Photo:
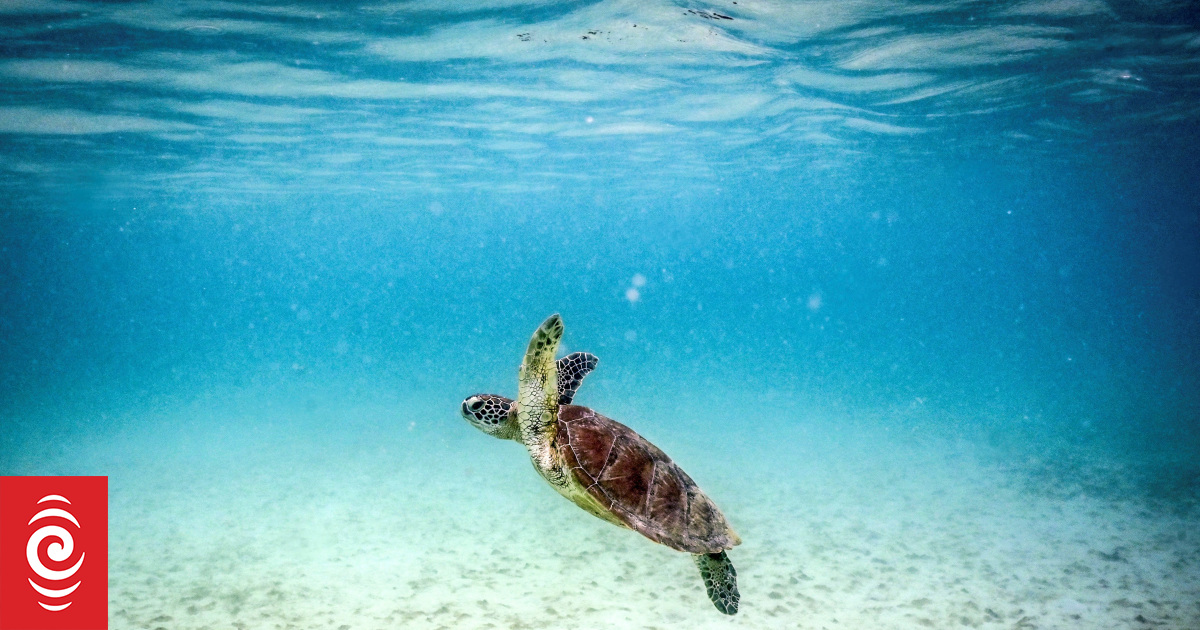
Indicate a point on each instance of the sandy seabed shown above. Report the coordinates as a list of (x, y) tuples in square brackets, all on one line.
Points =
[(348, 523)]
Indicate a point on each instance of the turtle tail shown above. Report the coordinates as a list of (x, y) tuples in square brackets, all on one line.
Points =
[(720, 579)]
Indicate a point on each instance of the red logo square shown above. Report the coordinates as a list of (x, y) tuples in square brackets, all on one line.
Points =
[(53, 553)]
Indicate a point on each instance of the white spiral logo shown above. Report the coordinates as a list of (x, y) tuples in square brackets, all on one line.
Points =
[(59, 551)]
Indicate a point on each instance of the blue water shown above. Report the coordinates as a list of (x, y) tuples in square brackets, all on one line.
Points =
[(975, 221)]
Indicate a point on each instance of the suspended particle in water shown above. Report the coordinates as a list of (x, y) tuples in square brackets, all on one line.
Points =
[(638, 280), (630, 335), (633, 295), (814, 302)]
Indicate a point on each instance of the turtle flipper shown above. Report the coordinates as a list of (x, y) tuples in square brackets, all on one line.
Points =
[(571, 370), (720, 580), (537, 400)]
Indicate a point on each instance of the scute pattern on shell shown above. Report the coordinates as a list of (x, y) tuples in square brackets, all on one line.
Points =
[(639, 483)]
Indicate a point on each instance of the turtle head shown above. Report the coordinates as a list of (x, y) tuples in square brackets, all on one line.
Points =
[(491, 414)]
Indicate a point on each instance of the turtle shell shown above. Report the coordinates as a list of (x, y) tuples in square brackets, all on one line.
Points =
[(639, 484)]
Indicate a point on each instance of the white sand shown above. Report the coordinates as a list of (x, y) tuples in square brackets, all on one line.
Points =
[(219, 525)]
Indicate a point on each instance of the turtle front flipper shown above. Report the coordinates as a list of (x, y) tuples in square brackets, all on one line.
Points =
[(571, 370), (537, 399), (720, 580)]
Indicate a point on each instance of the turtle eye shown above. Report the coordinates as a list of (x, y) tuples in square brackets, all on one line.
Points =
[(477, 405)]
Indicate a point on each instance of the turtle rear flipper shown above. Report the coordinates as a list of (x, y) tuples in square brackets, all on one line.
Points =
[(720, 580), (571, 370)]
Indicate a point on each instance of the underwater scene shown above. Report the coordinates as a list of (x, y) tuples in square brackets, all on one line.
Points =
[(889, 311)]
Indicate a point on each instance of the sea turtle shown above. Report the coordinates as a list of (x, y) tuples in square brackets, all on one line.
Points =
[(605, 467)]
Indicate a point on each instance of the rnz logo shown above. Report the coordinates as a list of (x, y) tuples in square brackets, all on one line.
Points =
[(61, 550), (53, 553)]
